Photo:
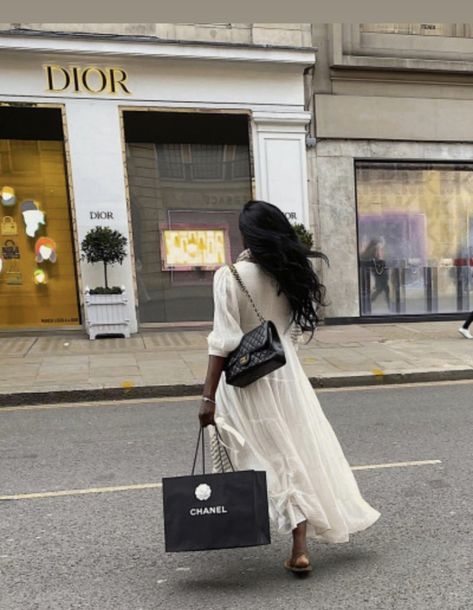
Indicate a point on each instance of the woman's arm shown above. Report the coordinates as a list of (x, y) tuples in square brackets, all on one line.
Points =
[(214, 372)]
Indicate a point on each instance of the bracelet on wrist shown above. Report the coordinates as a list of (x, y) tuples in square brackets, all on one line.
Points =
[(207, 399)]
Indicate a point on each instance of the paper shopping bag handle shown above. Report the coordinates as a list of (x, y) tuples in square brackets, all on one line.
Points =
[(200, 439), (220, 445)]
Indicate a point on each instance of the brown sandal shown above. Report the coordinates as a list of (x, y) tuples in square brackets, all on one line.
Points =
[(300, 565)]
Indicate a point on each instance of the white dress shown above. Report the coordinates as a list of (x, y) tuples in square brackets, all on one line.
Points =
[(279, 416)]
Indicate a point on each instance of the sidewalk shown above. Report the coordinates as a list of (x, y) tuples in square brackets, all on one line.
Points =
[(55, 368)]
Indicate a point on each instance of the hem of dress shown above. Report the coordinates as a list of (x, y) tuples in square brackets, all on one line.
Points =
[(286, 520), (325, 538)]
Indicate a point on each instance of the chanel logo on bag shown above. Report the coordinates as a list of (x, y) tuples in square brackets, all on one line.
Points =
[(203, 492), (208, 510), (244, 359)]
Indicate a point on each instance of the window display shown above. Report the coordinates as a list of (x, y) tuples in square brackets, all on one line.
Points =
[(186, 249), (8, 226), (33, 217), (7, 195), (45, 249), (189, 177), (415, 227), (37, 286), (40, 276)]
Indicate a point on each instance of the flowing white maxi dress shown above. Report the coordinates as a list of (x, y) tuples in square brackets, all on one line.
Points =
[(284, 429)]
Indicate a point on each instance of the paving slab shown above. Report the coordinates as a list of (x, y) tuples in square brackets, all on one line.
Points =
[(64, 367)]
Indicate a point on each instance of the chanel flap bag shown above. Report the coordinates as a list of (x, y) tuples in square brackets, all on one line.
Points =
[(260, 350)]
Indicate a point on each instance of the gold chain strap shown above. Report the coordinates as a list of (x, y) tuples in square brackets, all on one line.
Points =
[(245, 291)]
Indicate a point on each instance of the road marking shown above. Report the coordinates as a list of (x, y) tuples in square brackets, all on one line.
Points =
[(98, 490), (397, 465), (378, 372), (129, 402), (79, 492), (394, 386)]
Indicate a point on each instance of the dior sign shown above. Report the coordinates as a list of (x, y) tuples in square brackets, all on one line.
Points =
[(88, 79)]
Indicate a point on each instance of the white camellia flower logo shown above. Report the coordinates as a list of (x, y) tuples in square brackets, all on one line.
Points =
[(203, 492)]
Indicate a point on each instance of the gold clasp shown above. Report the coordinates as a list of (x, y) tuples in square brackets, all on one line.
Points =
[(244, 359)]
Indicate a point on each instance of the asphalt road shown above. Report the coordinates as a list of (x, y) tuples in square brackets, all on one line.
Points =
[(104, 551)]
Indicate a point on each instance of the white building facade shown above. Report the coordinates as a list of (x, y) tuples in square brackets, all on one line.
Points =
[(162, 141)]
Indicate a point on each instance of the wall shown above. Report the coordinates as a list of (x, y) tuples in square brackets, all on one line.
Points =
[(372, 82), (278, 34)]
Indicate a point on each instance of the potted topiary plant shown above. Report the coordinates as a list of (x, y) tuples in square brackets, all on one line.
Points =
[(304, 235), (106, 307)]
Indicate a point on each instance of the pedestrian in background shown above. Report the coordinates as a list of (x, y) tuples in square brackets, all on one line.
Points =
[(465, 329), (373, 257), (311, 488)]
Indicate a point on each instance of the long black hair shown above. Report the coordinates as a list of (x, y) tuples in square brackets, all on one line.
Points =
[(274, 245)]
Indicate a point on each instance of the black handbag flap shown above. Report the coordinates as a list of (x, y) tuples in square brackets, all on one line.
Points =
[(254, 341)]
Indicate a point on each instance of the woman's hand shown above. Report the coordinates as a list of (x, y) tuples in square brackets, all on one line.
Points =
[(206, 413)]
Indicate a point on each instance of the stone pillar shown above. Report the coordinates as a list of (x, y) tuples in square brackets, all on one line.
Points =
[(281, 162), (98, 184)]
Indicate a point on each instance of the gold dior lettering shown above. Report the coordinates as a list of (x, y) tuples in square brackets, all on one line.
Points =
[(89, 79)]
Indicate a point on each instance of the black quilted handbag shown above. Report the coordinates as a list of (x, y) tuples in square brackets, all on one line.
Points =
[(260, 350)]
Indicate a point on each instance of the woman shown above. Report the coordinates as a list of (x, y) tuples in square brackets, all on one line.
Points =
[(311, 489), (373, 258)]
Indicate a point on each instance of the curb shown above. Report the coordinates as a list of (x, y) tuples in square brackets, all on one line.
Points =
[(164, 391)]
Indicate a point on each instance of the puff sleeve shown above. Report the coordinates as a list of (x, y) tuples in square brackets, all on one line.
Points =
[(226, 333)]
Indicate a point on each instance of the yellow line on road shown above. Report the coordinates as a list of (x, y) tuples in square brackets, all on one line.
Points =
[(129, 402), (98, 490), (80, 492), (397, 465)]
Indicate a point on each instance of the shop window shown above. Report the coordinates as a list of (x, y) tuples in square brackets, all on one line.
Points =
[(171, 162), (38, 287), (239, 163), (415, 228), (23, 157), (207, 161), (189, 176)]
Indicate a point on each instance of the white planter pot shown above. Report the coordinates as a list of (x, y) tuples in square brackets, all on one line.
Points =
[(107, 314)]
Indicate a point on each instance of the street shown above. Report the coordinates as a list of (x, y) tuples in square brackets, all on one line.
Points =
[(96, 547)]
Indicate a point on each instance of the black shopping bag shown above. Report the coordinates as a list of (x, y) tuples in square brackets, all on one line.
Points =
[(215, 511)]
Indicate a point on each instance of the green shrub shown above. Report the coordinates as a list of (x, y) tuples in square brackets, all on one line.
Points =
[(106, 246), (304, 235), (112, 290)]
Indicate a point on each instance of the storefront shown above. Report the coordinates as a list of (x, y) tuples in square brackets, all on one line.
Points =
[(163, 142), (396, 223)]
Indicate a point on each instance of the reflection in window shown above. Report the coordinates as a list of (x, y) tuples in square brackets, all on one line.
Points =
[(170, 160), (415, 226), (186, 191), (207, 161)]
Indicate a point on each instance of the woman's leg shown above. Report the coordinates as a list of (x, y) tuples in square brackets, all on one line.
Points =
[(299, 561), (468, 321), (299, 540)]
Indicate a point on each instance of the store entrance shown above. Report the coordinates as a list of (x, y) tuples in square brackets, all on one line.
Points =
[(38, 284), (189, 176)]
